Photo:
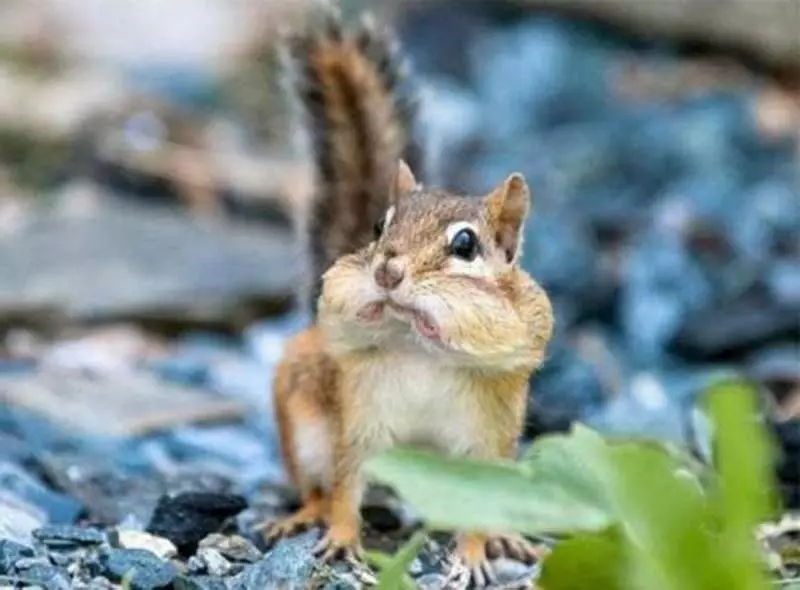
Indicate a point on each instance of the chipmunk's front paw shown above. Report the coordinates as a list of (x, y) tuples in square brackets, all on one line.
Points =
[(290, 526), (339, 544), (478, 552)]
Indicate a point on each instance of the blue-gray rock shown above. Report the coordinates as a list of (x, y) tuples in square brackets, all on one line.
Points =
[(60, 509), (68, 536), (114, 486), (665, 284), (43, 576), (289, 565), (144, 570), (26, 563), (11, 553), (199, 583)]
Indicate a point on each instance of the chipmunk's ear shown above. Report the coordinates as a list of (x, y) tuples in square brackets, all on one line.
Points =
[(507, 208), (403, 183)]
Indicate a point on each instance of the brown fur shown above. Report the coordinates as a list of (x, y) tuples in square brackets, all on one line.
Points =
[(359, 107), (441, 359)]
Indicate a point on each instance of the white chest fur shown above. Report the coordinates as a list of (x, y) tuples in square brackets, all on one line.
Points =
[(410, 398)]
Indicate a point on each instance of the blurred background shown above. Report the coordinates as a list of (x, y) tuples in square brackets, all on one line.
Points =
[(147, 181)]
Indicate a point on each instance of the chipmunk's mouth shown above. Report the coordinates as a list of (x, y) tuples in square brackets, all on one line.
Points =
[(372, 312), (423, 323)]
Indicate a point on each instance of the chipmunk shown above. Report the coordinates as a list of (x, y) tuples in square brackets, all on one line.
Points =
[(426, 329)]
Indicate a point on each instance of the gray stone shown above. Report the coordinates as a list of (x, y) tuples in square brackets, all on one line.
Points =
[(58, 507), (199, 583), (216, 565), (68, 536), (100, 583), (146, 571), (11, 553), (44, 576), (26, 563), (289, 565), (115, 264), (195, 565), (18, 518), (511, 572), (232, 547)]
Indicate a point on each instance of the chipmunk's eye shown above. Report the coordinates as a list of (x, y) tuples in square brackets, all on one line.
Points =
[(465, 245), (378, 227)]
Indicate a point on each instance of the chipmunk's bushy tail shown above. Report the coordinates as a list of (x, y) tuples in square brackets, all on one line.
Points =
[(357, 111)]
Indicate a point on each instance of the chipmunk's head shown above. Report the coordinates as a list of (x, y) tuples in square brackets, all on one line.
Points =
[(442, 267)]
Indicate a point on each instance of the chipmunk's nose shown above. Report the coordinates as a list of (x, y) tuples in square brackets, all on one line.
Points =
[(390, 273)]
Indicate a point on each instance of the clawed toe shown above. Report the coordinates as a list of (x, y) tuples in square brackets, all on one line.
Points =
[(289, 527), (516, 548), (331, 550), (479, 559), (482, 575)]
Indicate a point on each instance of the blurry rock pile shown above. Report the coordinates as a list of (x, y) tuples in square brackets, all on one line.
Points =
[(147, 270)]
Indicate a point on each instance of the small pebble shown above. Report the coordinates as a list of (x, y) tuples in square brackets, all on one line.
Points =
[(129, 539), (232, 547), (216, 565)]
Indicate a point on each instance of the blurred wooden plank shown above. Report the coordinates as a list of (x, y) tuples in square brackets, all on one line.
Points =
[(767, 30), (127, 404)]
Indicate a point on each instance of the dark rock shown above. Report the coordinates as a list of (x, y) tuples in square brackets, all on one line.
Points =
[(384, 512), (11, 553), (289, 564), (199, 583), (146, 571), (778, 369), (566, 388), (189, 517), (732, 327), (68, 536), (787, 435), (44, 576)]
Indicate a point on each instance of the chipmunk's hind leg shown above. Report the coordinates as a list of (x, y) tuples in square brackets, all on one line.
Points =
[(300, 394)]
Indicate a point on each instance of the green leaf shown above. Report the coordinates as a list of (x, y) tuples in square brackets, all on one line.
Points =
[(455, 493), (745, 486), (591, 560), (378, 559), (664, 520), (394, 574)]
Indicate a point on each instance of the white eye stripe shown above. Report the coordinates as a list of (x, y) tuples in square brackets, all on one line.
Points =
[(389, 216), (456, 227)]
